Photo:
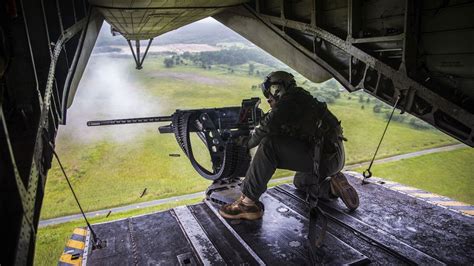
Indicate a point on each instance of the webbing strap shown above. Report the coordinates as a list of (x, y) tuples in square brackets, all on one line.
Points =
[(315, 213)]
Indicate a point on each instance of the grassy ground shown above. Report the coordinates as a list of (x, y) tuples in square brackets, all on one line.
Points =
[(363, 130), (107, 172), (446, 173)]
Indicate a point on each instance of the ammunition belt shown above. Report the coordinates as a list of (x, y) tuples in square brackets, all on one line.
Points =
[(236, 159)]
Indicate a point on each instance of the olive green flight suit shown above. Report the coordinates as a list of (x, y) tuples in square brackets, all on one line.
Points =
[(286, 140)]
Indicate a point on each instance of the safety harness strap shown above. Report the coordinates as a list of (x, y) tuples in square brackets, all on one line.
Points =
[(315, 212)]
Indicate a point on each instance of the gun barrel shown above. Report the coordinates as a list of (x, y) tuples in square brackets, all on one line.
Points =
[(152, 119)]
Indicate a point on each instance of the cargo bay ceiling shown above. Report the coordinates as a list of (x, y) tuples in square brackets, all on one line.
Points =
[(420, 53)]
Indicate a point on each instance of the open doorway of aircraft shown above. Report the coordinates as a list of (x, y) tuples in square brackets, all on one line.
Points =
[(418, 54)]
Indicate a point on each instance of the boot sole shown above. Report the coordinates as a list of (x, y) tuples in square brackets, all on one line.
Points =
[(245, 216), (345, 191)]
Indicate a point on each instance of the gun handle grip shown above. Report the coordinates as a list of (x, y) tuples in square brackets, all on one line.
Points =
[(165, 129)]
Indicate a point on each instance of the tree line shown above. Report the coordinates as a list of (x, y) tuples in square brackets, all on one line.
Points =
[(231, 57)]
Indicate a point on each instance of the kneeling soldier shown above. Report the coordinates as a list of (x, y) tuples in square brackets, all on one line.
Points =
[(299, 133)]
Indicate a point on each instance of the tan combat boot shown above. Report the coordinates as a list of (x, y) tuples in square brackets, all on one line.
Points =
[(341, 188), (242, 210)]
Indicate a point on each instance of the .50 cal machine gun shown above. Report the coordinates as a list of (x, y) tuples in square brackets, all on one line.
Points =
[(218, 128)]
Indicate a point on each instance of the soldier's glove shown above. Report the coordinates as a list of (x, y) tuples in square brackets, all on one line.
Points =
[(242, 141)]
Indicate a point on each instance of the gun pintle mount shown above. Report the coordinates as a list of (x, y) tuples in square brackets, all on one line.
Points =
[(218, 128)]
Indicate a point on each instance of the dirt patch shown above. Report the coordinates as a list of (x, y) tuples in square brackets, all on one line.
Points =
[(196, 78)]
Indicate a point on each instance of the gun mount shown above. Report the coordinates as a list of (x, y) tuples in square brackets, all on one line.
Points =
[(218, 128)]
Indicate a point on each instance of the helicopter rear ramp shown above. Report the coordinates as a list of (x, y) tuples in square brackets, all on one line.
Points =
[(389, 227)]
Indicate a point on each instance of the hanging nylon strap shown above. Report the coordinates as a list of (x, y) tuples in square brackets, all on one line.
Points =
[(367, 173), (316, 217), (316, 234)]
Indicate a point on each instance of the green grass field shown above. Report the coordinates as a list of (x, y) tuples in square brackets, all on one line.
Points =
[(448, 173), (108, 173)]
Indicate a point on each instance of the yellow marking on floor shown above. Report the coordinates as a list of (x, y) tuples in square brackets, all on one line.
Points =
[(403, 188), (80, 231), (450, 203), (425, 195), (75, 244), (468, 212), (67, 258)]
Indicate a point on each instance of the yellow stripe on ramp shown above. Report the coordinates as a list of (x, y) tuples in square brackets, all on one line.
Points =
[(425, 195), (80, 231), (451, 203), (66, 258), (468, 212), (403, 188), (75, 244)]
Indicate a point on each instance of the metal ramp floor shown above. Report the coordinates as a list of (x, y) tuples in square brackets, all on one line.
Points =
[(388, 228)]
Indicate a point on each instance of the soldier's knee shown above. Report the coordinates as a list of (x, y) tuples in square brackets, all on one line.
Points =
[(299, 184), (302, 180), (267, 142)]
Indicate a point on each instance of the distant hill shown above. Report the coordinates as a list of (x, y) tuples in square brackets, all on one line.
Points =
[(207, 31)]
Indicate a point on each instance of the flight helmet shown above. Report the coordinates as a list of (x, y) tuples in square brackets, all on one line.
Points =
[(277, 83)]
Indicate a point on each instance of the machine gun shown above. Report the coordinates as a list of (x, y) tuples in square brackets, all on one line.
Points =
[(218, 128)]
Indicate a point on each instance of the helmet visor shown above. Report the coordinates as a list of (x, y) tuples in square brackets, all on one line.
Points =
[(265, 86)]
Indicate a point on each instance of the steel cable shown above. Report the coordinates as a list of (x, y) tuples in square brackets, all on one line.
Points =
[(96, 241), (367, 173)]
